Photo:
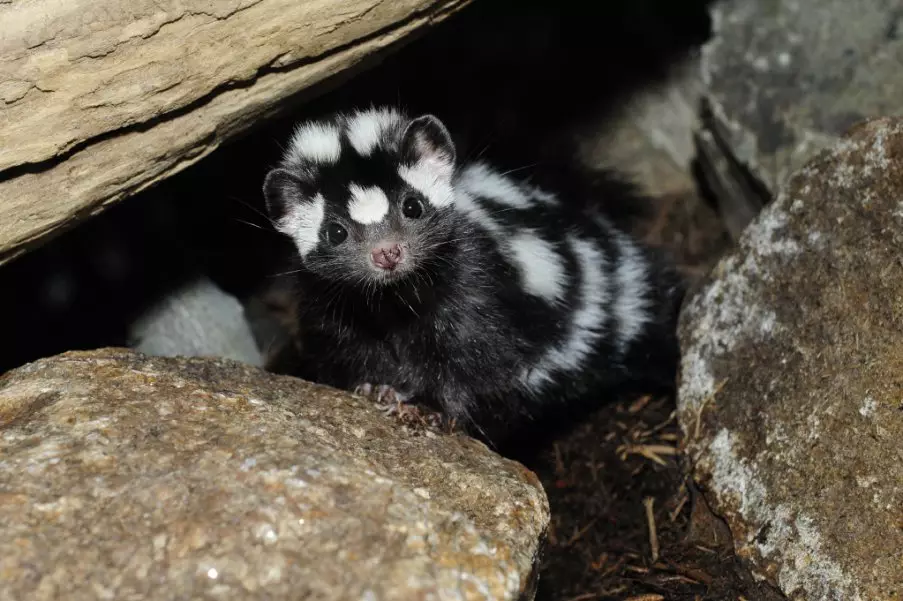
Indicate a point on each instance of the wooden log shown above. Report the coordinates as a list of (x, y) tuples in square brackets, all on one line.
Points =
[(100, 99)]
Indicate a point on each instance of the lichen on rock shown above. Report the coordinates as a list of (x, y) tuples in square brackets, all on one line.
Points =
[(790, 391)]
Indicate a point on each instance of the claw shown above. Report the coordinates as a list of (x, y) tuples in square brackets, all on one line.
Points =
[(396, 404), (381, 393), (363, 389)]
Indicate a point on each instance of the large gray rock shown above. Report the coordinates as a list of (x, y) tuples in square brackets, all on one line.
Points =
[(791, 394), (786, 77), (198, 319), (129, 477)]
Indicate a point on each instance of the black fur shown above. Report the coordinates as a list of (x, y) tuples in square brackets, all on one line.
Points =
[(458, 329)]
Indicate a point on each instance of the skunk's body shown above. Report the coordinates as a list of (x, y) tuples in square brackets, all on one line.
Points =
[(456, 284)]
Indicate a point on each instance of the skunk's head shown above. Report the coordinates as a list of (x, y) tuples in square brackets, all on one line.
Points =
[(366, 197)]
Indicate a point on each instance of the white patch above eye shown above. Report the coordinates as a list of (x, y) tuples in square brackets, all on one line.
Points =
[(316, 142), (432, 182), (302, 223), (366, 128), (367, 205), (540, 266), (587, 324), (631, 307), (482, 181)]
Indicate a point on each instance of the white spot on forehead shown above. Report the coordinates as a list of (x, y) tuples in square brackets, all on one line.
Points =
[(367, 127), (482, 181), (631, 306), (367, 205), (302, 222), (318, 142), (433, 183), (588, 320), (540, 266)]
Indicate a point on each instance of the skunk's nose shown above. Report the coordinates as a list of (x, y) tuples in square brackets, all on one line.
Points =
[(386, 256)]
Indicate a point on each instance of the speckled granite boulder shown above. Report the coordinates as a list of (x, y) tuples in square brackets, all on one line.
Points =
[(791, 390), (785, 78), (129, 477)]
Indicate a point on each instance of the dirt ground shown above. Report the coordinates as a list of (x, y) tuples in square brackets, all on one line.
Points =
[(627, 523)]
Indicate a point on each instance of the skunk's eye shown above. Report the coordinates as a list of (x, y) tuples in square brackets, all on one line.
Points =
[(412, 208), (336, 234)]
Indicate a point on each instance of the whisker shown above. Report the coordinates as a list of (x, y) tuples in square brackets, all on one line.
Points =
[(510, 171), (250, 206), (407, 304), (284, 273), (260, 227)]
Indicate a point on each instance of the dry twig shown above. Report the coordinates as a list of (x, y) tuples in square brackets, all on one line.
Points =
[(653, 532), (577, 535), (696, 575), (671, 417), (653, 452), (584, 597), (684, 497), (639, 404), (599, 563)]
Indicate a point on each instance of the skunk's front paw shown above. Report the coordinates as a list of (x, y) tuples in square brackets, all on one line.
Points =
[(383, 394), (399, 405)]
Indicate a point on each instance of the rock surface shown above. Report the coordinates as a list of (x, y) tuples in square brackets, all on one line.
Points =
[(791, 394), (101, 98), (198, 319), (129, 477), (785, 78), (650, 137)]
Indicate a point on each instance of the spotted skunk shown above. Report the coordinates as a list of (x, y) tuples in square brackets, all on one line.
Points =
[(451, 283)]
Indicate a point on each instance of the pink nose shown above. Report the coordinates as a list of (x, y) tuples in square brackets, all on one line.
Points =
[(386, 256)]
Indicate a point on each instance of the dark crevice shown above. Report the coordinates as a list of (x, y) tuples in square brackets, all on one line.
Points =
[(729, 185)]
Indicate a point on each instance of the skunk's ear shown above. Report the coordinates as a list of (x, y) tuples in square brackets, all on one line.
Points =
[(282, 190), (426, 139)]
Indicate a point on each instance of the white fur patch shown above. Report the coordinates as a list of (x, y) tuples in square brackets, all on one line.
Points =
[(431, 180), (367, 205), (366, 128), (476, 213), (302, 222), (631, 307), (544, 198), (588, 319), (540, 266), (482, 181), (316, 142)]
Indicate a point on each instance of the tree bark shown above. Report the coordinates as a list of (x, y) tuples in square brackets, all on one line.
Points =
[(100, 99)]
